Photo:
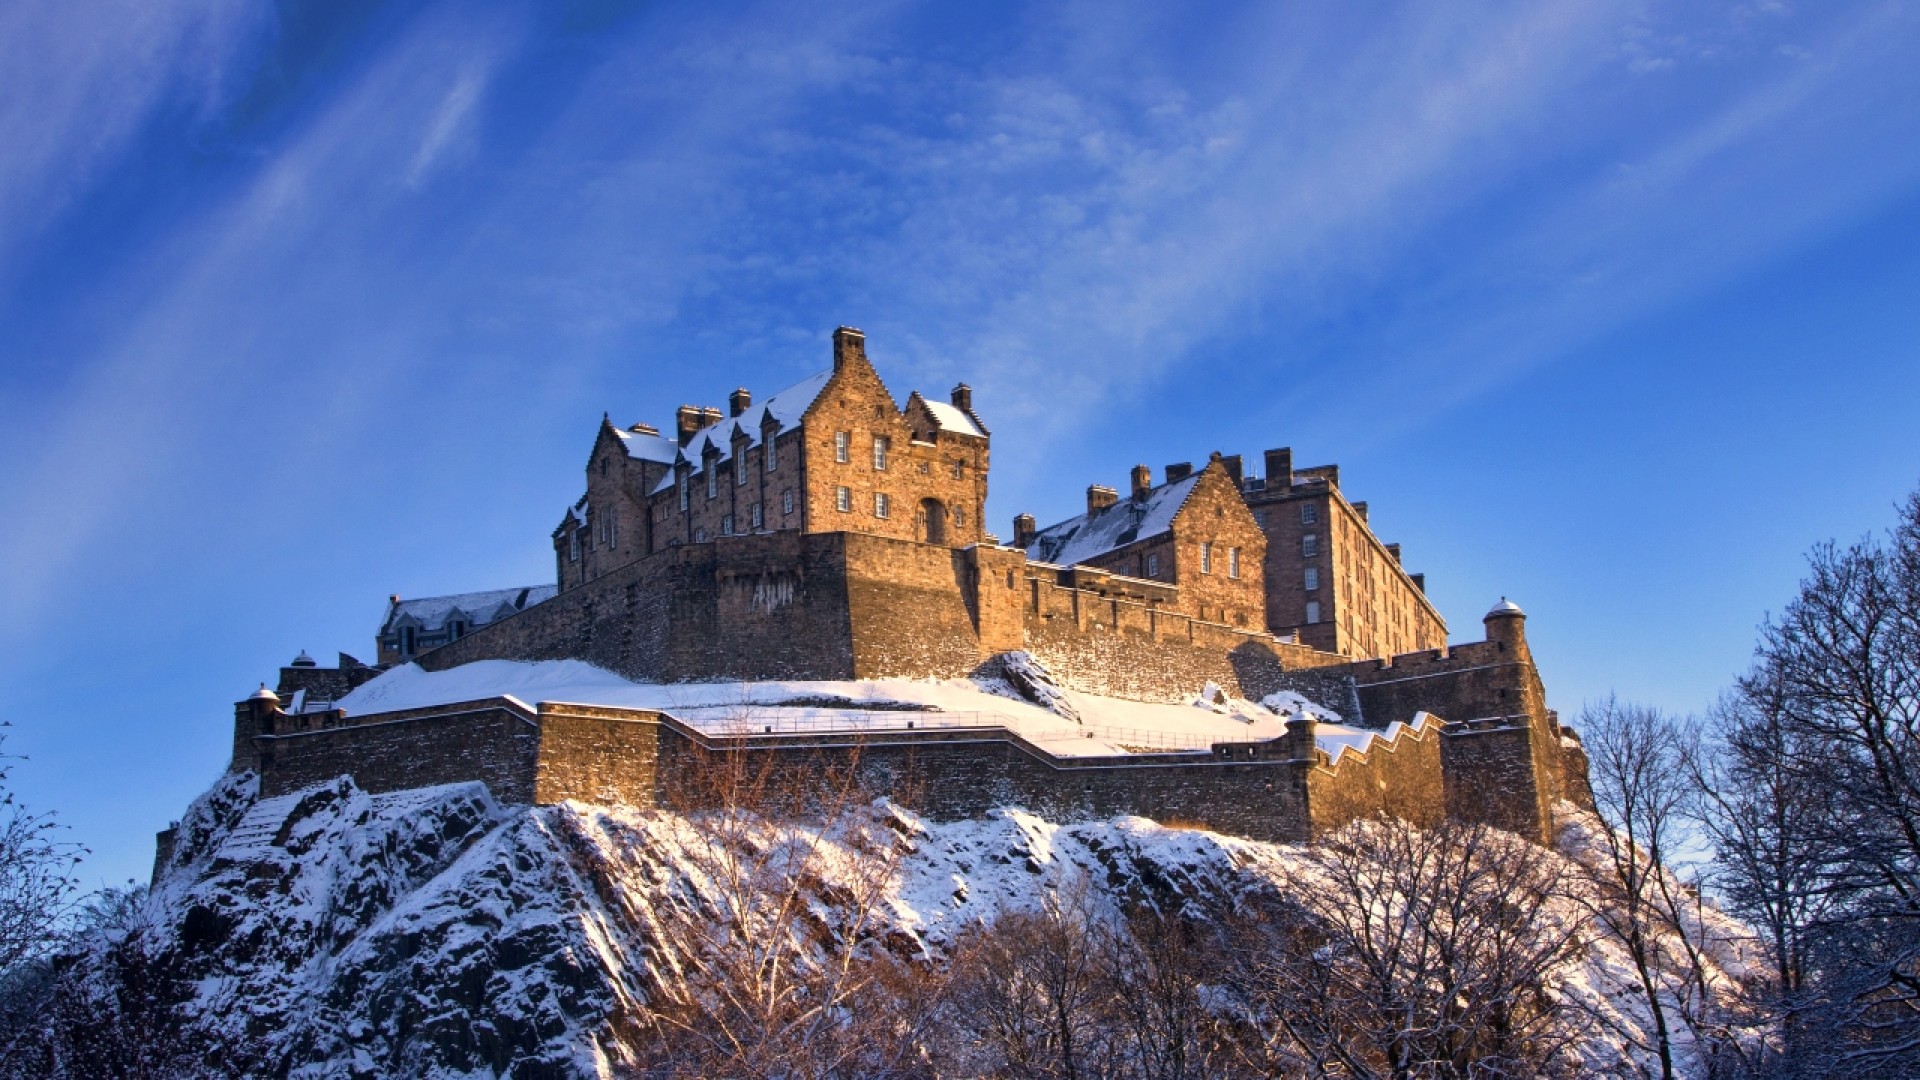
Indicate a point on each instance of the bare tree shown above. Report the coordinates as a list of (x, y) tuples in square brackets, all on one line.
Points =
[(1031, 992), (769, 956), (1412, 953)]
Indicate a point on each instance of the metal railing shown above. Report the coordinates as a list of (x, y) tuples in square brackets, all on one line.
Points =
[(750, 722)]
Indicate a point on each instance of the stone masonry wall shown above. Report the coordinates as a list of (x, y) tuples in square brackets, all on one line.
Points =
[(1405, 778)]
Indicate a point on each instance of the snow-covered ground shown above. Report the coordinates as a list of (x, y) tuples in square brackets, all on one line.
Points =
[(437, 932), (1082, 725)]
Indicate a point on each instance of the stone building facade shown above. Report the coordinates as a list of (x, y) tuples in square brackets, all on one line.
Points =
[(832, 453), (831, 533)]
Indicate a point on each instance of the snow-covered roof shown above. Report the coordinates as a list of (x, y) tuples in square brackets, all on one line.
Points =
[(643, 447), (953, 419), (1090, 536), (786, 407), (479, 608)]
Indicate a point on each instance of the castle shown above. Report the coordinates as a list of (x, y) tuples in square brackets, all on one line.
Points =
[(832, 533)]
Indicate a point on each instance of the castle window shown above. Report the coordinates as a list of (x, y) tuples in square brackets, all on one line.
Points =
[(1233, 562), (1310, 544), (683, 492), (740, 469), (841, 441), (613, 530), (1206, 557), (959, 516), (959, 470), (758, 519), (1313, 611), (843, 499), (1313, 578), (699, 536), (786, 501), (573, 545), (603, 465), (1153, 565), (1308, 515), (713, 479), (726, 525), (882, 505), (770, 455), (406, 641), (880, 446)]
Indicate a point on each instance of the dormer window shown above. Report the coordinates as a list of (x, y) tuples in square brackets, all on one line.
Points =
[(740, 467), (769, 453), (683, 485), (456, 629), (713, 479), (573, 544)]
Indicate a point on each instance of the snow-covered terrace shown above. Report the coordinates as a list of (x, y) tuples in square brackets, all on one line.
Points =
[(1104, 726)]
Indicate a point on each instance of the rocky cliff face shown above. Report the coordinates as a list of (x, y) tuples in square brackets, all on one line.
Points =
[(436, 932)]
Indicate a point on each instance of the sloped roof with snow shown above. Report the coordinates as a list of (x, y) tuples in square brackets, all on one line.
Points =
[(644, 447), (1090, 536), (951, 418), (786, 407), (480, 608)]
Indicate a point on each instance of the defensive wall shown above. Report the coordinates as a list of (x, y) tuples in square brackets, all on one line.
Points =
[(1283, 789), (828, 606)]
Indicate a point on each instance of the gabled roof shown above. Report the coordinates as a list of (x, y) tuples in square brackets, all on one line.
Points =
[(480, 608), (951, 417), (643, 447), (1128, 521)]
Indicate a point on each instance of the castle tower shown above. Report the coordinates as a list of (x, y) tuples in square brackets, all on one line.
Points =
[(1507, 626)]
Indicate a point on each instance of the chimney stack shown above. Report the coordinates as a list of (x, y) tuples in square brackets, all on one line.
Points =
[(1232, 462), (1394, 550), (1361, 509), (1023, 530), (1099, 497), (644, 429), (1280, 469), (1179, 471), (691, 420), (848, 344), (1142, 482), (963, 397), (739, 401)]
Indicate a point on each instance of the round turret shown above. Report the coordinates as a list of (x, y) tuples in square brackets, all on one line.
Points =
[(303, 660), (264, 694), (1507, 625)]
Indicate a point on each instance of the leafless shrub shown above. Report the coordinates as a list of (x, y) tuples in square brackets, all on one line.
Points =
[(1407, 953)]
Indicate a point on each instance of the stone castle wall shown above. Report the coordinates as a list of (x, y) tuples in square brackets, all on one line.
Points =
[(1278, 790)]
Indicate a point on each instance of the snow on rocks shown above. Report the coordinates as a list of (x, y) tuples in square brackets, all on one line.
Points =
[(436, 932)]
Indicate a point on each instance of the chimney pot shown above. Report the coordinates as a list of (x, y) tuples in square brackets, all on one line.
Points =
[(739, 401), (962, 397), (691, 420), (1099, 497)]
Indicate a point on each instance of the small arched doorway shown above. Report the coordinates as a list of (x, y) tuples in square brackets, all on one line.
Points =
[(933, 521)]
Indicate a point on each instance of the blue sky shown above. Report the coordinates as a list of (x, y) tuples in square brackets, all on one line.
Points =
[(1609, 307)]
